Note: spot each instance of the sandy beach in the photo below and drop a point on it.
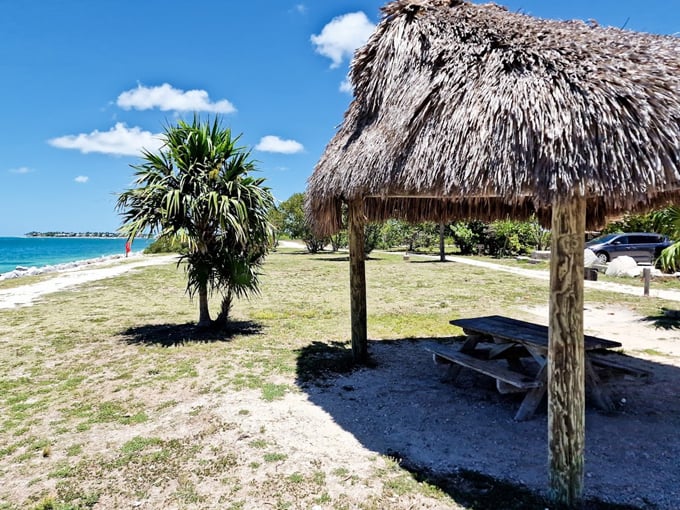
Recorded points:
(76, 273)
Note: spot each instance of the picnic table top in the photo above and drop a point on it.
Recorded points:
(515, 330)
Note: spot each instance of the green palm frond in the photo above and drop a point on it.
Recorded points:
(670, 258)
(197, 187)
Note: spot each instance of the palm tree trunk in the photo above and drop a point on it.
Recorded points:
(227, 301)
(203, 312)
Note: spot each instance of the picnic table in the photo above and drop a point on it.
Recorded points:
(496, 346)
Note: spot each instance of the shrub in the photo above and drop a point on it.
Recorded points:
(510, 237)
(426, 235)
(339, 241)
(467, 235)
(371, 237)
(166, 244)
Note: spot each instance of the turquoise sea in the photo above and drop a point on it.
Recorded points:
(46, 251)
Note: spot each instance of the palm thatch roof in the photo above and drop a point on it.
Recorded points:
(467, 110)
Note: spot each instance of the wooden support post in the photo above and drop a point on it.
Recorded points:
(442, 251)
(566, 353)
(357, 282)
(647, 273)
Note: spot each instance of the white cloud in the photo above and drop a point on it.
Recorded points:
(344, 34)
(119, 140)
(301, 8)
(21, 170)
(168, 98)
(346, 86)
(82, 178)
(275, 144)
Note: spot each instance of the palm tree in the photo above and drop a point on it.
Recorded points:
(667, 221)
(197, 188)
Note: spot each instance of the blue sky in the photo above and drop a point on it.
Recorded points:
(86, 83)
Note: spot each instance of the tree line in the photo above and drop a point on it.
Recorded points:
(499, 238)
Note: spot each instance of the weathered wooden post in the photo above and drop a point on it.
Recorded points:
(442, 251)
(566, 354)
(647, 276)
(357, 281)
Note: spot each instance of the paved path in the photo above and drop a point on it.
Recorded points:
(671, 295)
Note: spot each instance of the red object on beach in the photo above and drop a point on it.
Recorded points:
(128, 247)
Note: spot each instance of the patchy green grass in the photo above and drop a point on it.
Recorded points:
(109, 392)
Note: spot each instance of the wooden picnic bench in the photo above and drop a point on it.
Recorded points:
(495, 346)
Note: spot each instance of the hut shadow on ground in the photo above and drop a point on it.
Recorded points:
(301, 251)
(172, 335)
(462, 437)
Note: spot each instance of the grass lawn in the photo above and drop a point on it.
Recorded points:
(106, 390)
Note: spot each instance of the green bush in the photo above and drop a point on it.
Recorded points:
(339, 241)
(166, 244)
(468, 235)
(426, 236)
(372, 233)
(511, 237)
(395, 233)
(661, 221)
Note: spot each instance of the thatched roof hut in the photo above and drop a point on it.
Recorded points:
(470, 110)
(464, 110)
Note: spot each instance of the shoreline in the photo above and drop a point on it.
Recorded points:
(21, 271)
(77, 274)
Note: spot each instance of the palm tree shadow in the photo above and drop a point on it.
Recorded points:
(664, 320)
(172, 335)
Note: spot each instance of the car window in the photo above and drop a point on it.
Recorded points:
(602, 239)
(620, 240)
(644, 239)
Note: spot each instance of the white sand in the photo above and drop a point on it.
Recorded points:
(82, 272)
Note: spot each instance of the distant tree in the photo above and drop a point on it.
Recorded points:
(197, 188)
(276, 220)
(166, 244)
(294, 223)
(632, 223)
(397, 233)
(467, 235)
(292, 213)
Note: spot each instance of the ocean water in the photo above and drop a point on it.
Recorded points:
(46, 251)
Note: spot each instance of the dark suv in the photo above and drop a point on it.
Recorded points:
(642, 246)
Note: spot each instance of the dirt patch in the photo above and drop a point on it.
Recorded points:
(631, 454)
